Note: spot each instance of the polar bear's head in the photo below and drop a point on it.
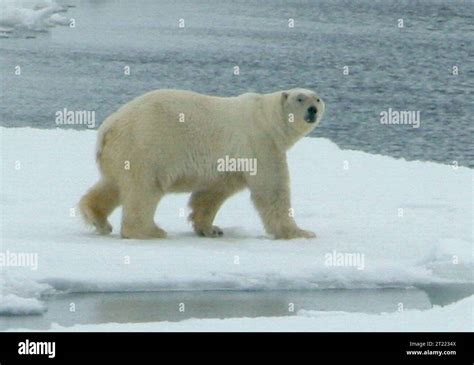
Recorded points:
(303, 109)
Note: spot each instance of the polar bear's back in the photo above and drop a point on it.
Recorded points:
(186, 108)
(178, 129)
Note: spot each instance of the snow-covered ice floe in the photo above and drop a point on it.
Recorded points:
(380, 222)
(22, 18)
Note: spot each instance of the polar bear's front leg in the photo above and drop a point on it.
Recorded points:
(271, 195)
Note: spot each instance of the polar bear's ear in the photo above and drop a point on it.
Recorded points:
(284, 96)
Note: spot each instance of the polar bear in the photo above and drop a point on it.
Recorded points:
(171, 141)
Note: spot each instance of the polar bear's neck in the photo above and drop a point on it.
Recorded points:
(271, 118)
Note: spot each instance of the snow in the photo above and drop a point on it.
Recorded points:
(21, 297)
(352, 200)
(20, 17)
(456, 317)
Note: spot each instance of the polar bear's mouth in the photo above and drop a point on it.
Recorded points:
(311, 113)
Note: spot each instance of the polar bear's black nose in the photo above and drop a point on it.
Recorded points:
(310, 116)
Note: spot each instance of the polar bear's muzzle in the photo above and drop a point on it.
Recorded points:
(311, 114)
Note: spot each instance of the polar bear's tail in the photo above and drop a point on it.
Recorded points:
(98, 203)
(100, 142)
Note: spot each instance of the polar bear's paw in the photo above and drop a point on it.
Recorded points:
(212, 231)
(294, 233)
(103, 229)
(143, 234)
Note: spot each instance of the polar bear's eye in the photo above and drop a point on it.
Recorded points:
(300, 99)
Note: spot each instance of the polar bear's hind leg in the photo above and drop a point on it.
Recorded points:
(139, 206)
(206, 203)
(98, 203)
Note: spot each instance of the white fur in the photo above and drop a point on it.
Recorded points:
(166, 155)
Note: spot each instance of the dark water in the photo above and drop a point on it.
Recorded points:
(408, 68)
(141, 307)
